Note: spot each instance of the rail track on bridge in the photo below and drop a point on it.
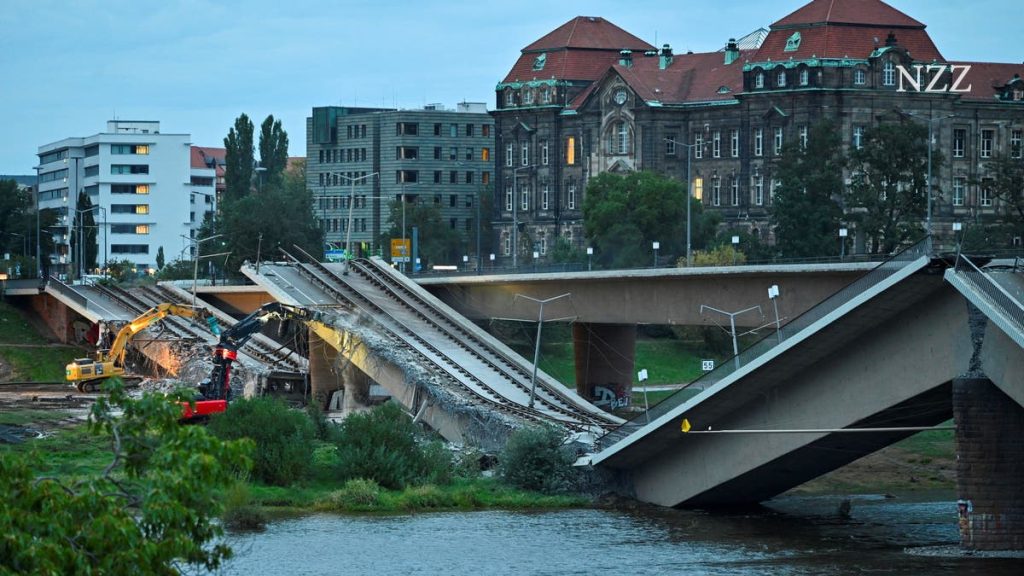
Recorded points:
(479, 370)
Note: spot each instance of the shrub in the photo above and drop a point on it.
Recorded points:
(356, 494)
(239, 512)
(382, 445)
(535, 459)
(283, 437)
(427, 496)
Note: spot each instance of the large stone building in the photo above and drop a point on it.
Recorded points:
(589, 97)
(378, 156)
(143, 186)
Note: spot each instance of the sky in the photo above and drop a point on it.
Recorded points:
(68, 66)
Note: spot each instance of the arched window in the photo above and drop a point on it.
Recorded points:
(759, 79)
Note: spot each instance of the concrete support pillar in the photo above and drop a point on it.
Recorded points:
(323, 380)
(990, 466)
(604, 363)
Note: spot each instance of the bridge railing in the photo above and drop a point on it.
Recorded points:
(988, 288)
(766, 344)
(67, 291)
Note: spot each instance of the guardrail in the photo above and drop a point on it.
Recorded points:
(67, 291)
(770, 341)
(982, 283)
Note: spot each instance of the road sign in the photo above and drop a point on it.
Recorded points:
(400, 250)
(707, 365)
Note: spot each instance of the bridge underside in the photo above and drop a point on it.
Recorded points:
(886, 363)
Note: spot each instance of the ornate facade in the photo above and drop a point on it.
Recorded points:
(590, 97)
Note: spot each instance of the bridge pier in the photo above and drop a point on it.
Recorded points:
(323, 380)
(990, 466)
(604, 355)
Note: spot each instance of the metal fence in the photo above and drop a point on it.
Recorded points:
(798, 324)
(67, 291)
(987, 287)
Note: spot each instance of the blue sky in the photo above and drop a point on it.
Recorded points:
(66, 67)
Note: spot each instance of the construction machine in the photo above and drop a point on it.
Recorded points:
(87, 374)
(215, 392)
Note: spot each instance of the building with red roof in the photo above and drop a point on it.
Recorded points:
(590, 97)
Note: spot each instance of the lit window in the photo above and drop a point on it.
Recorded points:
(142, 188)
(142, 149)
(142, 229)
(142, 208)
(698, 188)
(570, 151)
(485, 154)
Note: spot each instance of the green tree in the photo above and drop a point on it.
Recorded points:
(438, 242)
(564, 252)
(238, 159)
(888, 195)
(151, 510)
(1004, 179)
(805, 210)
(623, 215)
(160, 258)
(85, 227)
(273, 150)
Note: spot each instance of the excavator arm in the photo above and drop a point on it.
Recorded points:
(215, 393)
(87, 373)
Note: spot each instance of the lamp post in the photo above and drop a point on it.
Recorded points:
(773, 294)
(735, 248)
(351, 207)
(655, 245)
(590, 256)
(195, 263)
(732, 327)
(689, 196)
(81, 237)
(536, 347)
(842, 243)
(515, 215)
(931, 140)
(39, 262)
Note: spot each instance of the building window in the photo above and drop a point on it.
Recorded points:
(469, 129)
(571, 196)
(734, 191)
(406, 129)
(437, 129)
(129, 149)
(570, 151)
(508, 197)
(485, 154)
(959, 190)
(524, 155)
(453, 130)
(545, 96)
(803, 136)
(129, 169)
(805, 77)
(485, 178)
(858, 137)
(986, 192)
(469, 153)
(509, 154)
(1016, 143)
(860, 77)
(544, 152)
(759, 80)
(485, 130)
(716, 144)
(544, 191)
(698, 145)
(716, 191)
(758, 141)
(987, 139)
(510, 97)
(670, 145)
(453, 176)
(469, 177)
(408, 176)
(618, 138)
(524, 196)
(453, 199)
(780, 79)
(889, 73)
(506, 242)
(778, 141)
(453, 153)
(407, 153)
(129, 248)
(437, 176)
(734, 143)
(527, 97)
(543, 244)
(759, 190)
(698, 188)
(959, 142)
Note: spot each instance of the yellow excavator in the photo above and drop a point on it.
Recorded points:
(87, 374)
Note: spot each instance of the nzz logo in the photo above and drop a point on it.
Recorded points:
(937, 72)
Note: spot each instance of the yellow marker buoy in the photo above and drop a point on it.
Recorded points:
(685, 427)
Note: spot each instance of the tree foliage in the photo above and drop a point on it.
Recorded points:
(85, 225)
(238, 159)
(438, 242)
(1004, 178)
(623, 215)
(151, 511)
(805, 211)
(273, 150)
(283, 437)
(887, 196)
(536, 459)
(18, 227)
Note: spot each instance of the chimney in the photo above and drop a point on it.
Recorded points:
(626, 58)
(666, 56)
(732, 52)
(890, 40)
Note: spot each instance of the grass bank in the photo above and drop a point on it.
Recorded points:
(30, 357)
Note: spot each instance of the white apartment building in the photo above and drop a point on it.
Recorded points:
(140, 183)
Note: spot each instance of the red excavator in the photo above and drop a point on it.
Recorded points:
(215, 392)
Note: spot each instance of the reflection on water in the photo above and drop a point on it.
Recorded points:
(791, 536)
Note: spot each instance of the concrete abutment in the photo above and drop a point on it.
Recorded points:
(605, 358)
(990, 466)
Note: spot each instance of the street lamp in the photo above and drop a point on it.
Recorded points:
(842, 243)
(931, 140)
(81, 237)
(536, 347)
(590, 256)
(195, 262)
(735, 248)
(773, 294)
(351, 207)
(515, 215)
(689, 195)
(732, 327)
(655, 245)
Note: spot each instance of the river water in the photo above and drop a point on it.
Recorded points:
(790, 536)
